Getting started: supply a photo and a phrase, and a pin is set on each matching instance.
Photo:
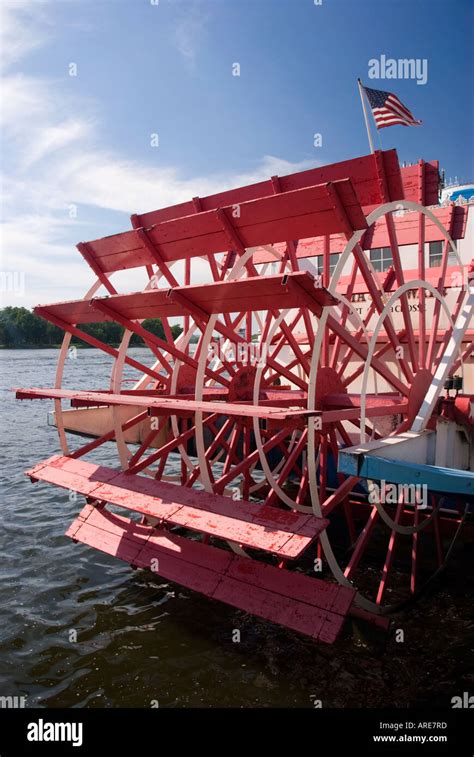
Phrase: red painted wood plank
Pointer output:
(426, 193)
(459, 222)
(283, 582)
(243, 522)
(281, 532)
(182, 406)
(86, 512)
(74, 478)
(39, 466)
(188, 551)
(285, 611)
(278, 397)
(294, 214)
(126, 549)
(174, 568)
(73, 312)
(166, 405)
(307, 605)
(360, 170)
(250, 294)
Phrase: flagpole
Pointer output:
(364, 108)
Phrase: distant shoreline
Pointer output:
(57, 346)
(78, 346)
(19, 325)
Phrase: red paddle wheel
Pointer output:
(228, 436)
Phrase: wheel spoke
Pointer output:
(390, 551)
(361, 543)
(147, 441)
(253, 457)
(108, 436)
(397, 264)
(414, 554)
(288, 467)
(168, 447)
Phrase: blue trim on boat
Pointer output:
(437, 479)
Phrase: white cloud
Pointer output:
(56, 160)
(189, 31)
(32, 251)
(53, 138)
(21, 96)
(110, 182)
(23, 28)
(36, 118)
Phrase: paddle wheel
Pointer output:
(230, 436)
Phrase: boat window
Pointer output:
(333, 260)
(381, 258)
(436, 254)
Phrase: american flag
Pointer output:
(388, 110)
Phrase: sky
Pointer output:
(85, 84)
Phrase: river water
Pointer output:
(142, 640)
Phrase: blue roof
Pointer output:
(467, 193)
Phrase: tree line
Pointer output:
(20, 327)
